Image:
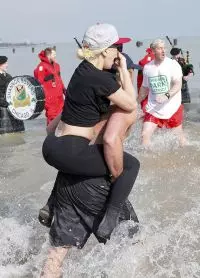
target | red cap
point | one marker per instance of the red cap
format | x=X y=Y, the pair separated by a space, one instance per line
x=123 y=40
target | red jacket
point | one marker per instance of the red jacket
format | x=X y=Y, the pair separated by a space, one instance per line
x=147 y=58
x=48 y=74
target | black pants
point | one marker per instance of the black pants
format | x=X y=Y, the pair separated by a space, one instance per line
x=73 y=155
x=78 y=207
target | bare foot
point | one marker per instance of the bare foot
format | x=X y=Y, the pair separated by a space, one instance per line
x=53 y=265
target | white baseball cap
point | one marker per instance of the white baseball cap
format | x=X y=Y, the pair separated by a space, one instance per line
x=100 y=36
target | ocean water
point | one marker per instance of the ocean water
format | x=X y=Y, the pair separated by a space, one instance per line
x=166 y=195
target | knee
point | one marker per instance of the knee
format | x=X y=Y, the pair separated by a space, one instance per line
x=110 y=140
x=135 y=164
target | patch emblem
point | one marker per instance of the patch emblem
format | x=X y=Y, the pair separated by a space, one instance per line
x=21 y=96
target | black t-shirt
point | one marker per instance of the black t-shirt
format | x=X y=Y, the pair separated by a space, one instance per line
x=86 y=97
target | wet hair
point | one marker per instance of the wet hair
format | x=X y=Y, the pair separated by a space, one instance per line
x=156 y=42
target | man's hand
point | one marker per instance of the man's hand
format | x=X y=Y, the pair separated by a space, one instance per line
x=161 y=98
x=120 y=62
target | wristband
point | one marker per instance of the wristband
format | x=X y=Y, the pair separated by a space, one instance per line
x=167 y=95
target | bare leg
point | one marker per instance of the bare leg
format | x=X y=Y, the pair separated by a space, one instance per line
x=53 y=266
x=116 y=131
x=147 y=131
x=180 y=134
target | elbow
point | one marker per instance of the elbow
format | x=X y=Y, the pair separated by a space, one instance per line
x=132 y=106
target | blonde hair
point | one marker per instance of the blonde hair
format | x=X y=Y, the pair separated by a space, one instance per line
x=88 y=54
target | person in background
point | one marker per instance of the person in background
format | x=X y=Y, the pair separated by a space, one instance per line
x=130 y=65
x=162 y=83
x=48 y=74
x=5 y=78
x=187 y=70
x=145 y=60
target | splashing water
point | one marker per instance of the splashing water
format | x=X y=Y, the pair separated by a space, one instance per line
x=166 y=197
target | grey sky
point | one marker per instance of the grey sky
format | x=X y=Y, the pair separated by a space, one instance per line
x=61 y=20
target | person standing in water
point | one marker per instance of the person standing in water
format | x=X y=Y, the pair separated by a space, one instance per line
x=187 y=70
x=130 y=65
x=88 y=98
x=89 y=93
x=5 y=78
x=14 y=124
x=48 y=74
x=162 y=79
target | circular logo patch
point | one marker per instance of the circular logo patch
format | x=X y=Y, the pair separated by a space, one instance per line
x=21 y=98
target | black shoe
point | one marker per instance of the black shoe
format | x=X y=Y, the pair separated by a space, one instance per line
x=108 y=223
x=45 y=216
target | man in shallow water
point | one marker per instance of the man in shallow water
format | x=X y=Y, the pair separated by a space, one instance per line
x=162 y=79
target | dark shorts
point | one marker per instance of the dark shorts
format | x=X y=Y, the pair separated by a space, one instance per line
x=79 y=207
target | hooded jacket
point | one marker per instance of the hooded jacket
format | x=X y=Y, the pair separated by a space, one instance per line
x=48 y=74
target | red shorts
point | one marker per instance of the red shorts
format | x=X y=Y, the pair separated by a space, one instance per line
x=175 y=120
